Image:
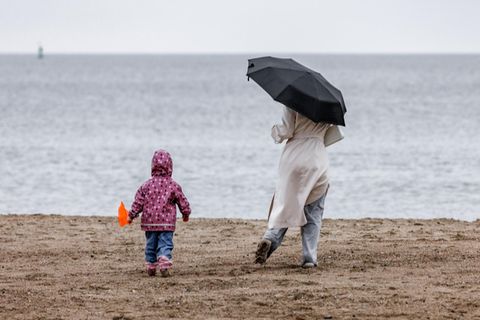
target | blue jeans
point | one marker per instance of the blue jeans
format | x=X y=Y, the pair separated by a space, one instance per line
x=159 y=243
x=310 y=231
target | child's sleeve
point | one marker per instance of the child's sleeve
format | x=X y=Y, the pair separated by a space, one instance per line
x=182 y=201
x=137 y=205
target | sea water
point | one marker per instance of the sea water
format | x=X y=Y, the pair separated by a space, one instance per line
x=77 y=133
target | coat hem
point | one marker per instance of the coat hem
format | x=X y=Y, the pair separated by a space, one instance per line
x=165 y=228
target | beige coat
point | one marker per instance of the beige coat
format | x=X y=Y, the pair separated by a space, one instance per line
x=302 y=171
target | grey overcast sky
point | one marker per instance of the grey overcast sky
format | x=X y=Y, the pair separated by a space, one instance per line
x=230 y=26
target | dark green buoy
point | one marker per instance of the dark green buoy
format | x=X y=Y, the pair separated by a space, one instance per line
x=40 y=52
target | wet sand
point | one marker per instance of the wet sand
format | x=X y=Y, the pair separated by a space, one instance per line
x=59 y=267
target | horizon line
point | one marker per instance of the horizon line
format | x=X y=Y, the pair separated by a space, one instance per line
x=34 y=52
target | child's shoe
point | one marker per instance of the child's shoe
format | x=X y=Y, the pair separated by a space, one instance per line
x=151 y=269
x=164 y=264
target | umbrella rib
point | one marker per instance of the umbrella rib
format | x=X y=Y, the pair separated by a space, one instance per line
x=279 y=68
x=328 y=89
x=316 y=89
x=289 y=85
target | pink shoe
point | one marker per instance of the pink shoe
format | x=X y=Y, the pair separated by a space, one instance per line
x=164 y=264
x=151 y=269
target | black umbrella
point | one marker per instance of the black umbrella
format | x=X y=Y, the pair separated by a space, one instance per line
x=299 y=88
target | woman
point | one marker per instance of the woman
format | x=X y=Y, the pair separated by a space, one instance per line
x=302 y=186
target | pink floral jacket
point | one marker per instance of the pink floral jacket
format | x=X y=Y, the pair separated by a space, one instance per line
x=158 y=196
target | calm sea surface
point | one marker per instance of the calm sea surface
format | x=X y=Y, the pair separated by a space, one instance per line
x=77 y=134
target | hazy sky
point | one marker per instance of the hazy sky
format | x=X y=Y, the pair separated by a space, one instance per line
x=193 y=26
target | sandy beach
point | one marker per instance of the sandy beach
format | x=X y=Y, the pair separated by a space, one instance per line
x=59 y=267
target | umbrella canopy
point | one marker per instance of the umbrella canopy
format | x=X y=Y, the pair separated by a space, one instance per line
x=299 y=88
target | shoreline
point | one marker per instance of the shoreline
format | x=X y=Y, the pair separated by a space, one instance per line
x=39 y=214
x=78 y=267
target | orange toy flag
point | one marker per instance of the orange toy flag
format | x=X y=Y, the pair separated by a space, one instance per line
x=122 y=215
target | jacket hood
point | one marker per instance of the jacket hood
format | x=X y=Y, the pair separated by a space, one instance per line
x=162 y=164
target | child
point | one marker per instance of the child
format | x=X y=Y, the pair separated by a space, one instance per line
x=157 y=198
